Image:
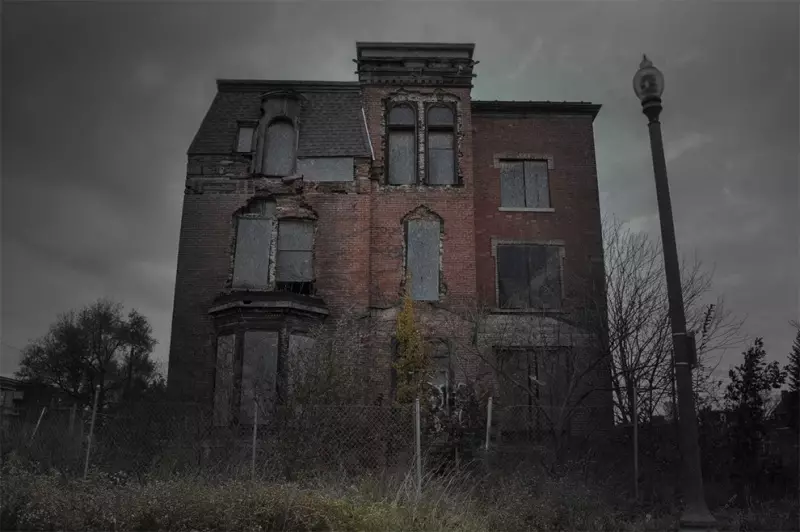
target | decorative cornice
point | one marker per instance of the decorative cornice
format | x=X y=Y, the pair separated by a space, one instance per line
x=519 y=109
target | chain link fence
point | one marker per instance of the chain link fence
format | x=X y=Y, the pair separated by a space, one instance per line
x=286 y=442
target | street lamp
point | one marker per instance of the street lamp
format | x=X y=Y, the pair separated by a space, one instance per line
x=648 y=83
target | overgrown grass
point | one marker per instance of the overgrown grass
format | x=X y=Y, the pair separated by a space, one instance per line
x=460 y=501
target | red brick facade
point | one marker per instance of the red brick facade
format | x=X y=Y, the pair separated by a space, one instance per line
x=359 y=256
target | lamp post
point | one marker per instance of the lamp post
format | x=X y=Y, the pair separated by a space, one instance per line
x=648 y=83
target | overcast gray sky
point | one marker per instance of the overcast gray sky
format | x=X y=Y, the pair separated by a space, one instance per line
x=100 y=103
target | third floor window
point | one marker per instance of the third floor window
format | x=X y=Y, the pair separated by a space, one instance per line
x=524 y=184
x=441 y=145
x=402 y=145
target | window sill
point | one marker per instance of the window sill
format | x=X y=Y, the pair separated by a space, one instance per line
x=526 y=209
x=498 y=310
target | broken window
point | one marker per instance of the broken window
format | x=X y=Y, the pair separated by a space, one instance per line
x=441 y=146
x=422 y=258
x=294 y=267
x=280 y=148
x=244 y=140
x=402 y=143
x=223 y=382
x=253 y=246
x=524 y=184
x=529 y=276
x=259 y=375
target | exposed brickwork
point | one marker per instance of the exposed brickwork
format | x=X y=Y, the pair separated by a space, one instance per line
x=569 y=141
x=359 y=242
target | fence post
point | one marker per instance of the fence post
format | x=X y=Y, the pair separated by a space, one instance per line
x=488 y=421
x=91 y=432
x=72 y=419
x=38 y=422
x=255 y=438
x=418 y=446
x=635 y=441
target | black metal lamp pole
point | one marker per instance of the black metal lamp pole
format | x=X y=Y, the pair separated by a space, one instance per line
x=648 y=83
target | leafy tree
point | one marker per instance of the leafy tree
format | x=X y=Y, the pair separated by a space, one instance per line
x=95 y=346
x=412 y=364
x=793 y=367
x=746 y=398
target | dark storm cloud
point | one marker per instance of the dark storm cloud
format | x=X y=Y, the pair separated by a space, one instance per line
x=100 y=102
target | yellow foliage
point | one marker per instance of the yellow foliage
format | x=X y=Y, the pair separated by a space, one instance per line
x=412 y=364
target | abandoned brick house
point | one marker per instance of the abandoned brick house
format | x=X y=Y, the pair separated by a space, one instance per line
x=307 y=199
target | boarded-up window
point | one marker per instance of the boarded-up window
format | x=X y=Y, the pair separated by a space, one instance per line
x=524 y=184
x=422 y=258
x=441 y=146
x=529 y=276
x=259 y=375
x=280 y=148
x=251 y=260
x=223 y=383
x=402 y=145
x=295 y=251
x=244 y=141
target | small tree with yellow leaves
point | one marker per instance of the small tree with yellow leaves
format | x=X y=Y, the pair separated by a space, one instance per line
x=412 y=364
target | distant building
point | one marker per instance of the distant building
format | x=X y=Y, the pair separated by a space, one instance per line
x=308 y=199
x=19 y=398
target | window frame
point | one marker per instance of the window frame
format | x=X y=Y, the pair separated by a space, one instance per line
x=242 y=124
x=441 y=129
x=407 y=248
x=273 y=121
x=522 y=161
x=303 y=287
x=402 y=128
x=238 y=331
x=559 y=244
x=250 y=215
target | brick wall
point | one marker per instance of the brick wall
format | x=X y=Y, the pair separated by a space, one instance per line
x=390 y=204
x=569 y=143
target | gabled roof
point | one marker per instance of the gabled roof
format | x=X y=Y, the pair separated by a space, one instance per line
x=331 y=123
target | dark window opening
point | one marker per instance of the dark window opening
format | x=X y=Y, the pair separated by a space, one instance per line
x=402 y=145
x=423 y=258
x=524 y=184
x=519 y=378
x=529 y=276
x=294 y=262
x=441 y=167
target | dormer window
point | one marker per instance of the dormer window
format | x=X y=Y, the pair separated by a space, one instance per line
x=244 y=139
x=440 y=141
x=280 y=148
x=402 y=145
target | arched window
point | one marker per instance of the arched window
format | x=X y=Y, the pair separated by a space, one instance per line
x=441 y=158
x=402 y=143
x=280 y=148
